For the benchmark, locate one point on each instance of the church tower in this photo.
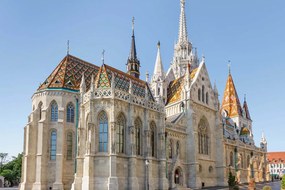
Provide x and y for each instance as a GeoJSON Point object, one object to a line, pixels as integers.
{"type": "Point", "coordinates": [183, 51]}
{"type": "Point", "coordinates": [133, 64]}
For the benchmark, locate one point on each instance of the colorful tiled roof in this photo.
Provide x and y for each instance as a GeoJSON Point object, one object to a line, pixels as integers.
{"type": "Point", "coordinates": [175, 87]}
{"type": "Point", "coordinates": [276, 157]}
{"type": "Point", "coordinates": [68, 74]}
{"type": "Point", "coordinates": [231, 101]}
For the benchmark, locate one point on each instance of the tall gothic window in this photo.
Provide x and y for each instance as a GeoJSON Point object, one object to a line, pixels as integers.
{"type": "Point", "coordinates": [53, 145]}
{"type": "Point", "coordinates": [120, 133]}
{"type": "Point", "coordinates": [138, 128]}
{"type": "Point", "coordinates": [69, 148]}
{"type": "Point", "coordinates": [203, 93]}
{"type": "Point", "coordinates": [241, 161]}
{"type": "Point", "coordinates": [103, 132]}
{"type": "Point", "coordinates": [231, 159]}
{"type": "Point", "coordinates": [152, 138]}
{"type": "Point", "coordinates": [170, 149]}
{"type": "Point", "coordinates": [207, 98]}
{"type": "Point", "coordinates": [203, 138]}
{"type": "Point", "coordinates": [54, 111]}
{"type": "Point", "coordinates": [177, 147]}
{"type": "Point", "coordinates": [199, 94]}
{"type": "Point", "coordinates": [70, 113]}
{"type": "Point", "coordinates": [40, 107]}
{"type": "Point", "coordinates": [248, 160]}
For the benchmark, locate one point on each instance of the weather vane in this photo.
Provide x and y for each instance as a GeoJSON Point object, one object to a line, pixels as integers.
{"type": "Point", "coordinates": [67, 47]}
{"type": "Point", "coordinates": [229, 66]}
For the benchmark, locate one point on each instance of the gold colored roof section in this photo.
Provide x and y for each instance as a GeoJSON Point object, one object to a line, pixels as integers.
{"type": "Point", "coordinates": [68, 74]}
{"type": "Point", "coordinates": [175, 87]}
{"type": "Point", "coordinates": [231, 102]}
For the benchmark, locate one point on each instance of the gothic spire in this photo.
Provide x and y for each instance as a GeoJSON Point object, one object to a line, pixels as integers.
{"type": "Point", "coordinates": [183, 36]}
{"type": "Point", "coordinates": [245, 107]}
{"type": "Point", "coordinates": [133, 65]}
{"type": "Point", "coordinates": [158, 67]}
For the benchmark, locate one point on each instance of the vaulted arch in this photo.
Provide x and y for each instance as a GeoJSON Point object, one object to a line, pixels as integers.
{"type": "Point", "coordinates": [203, 136]}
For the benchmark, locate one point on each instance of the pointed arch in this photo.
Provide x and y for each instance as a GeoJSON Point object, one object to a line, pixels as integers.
{"type": "Point", "coordinates": [120, 133]}
{"type": "Point", "coordinates": [138, 134]}
{"type": "Point", "coordinates": [103, 131]}
{"type": "Point", "coordinates": [70, 112]}
{"type": "Point", "coordinates": [199, 94]}
{"type": "Point", "coordinates": [203, 136]}
{"type": "Point", "coordinates": [178, 176]}
{"type": "Point", "coordinates": [170, 149]}
{"type": "Point", "coordinates": [54, 111]}
{"type": "Point", "coordinates": [40, 108]}
{"type": "Point", "coordinates": [152, 138]}
{"type": "Point", "coordinates": [231, 159]}
{"type": "Point", "coordinates": [203, 93]}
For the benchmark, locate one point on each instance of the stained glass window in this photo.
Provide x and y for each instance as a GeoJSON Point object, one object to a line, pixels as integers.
{"type": "Point", "coordinates": [69, 143]}
{"type": "Point", "coordinates": [138, 126]}
{"type": "Point", "coordinates": [103, 132]}
{"type": "Point", "coordinates": [70, 113]}
{"type": "Point", "coordinates": [152, 138]}
{"type": "Point", "coordinates": [53, 145]}
{"type": "Point", "coordinates": [120, 134]}
{"type": "Point", "coordinates": [54, 111]}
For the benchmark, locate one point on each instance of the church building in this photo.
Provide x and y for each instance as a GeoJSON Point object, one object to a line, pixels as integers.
{"type": "Point", "coordinates": [96, 127]}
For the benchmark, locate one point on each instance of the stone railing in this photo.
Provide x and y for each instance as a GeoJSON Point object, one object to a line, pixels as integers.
{"type": "Point", "coordinates": [121, 95]}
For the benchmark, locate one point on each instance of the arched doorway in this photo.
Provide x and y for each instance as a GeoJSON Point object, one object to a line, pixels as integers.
{"type": "Point", "coordinates": [178, 177]}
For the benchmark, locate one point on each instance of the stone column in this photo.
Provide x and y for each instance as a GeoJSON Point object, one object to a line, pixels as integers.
{"type": "Point", "coordinates": [41, 158]}
{"type": "Point", "coordinates": [113, 180]}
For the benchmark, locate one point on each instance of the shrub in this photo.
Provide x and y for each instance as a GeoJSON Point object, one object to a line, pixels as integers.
{"type": "Point", "coordinates": [283, 183]}
{"type": "Point", "coordinates": [232, 182]}
{"type": "Point", "coordinates": [266, 188]}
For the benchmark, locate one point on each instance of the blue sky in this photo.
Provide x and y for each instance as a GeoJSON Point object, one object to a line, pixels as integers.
{"type": "Point", "coordinates": [34, 34]}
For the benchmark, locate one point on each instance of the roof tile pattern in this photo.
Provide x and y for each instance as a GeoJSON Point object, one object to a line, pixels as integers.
{"type": "Point", "coordinates": [231, 101]}
{"type": "Point", "coordinates": [276, 157]}
{"type": "Point", "coordinates": [68, 74]}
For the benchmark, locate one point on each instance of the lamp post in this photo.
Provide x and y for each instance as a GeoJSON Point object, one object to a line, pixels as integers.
{"type": "Point", "coordinates": [147, 180]}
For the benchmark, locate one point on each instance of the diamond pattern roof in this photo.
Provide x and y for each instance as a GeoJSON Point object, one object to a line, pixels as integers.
{"type": "Point", "coordinates": [68, 74]}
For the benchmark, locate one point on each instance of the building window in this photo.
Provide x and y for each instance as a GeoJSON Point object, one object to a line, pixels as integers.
{"type": "Point", "coordinates": [241, 161]}
{"type": "Point", "coordinates": [54, 111]}
{"type": "Point", "coordinates": [203, 138]}
{"type": "Point", "coordinates": [207, 98]}
{"type": "Point", "coordinates": [70, 113]}
{"type": "Point", "coordinates": [203, 93]}
{"type": "Point", "coordinates": [152, 138]}
{"type": "Point", "coordinates": [138, 127]}
{"type": "Point", "coordinates": [199, 94]}
{"type": "Point", "coordinates": [40, 110]}
{"type": "Point", "coordinates": [248, 160]}
{"type": "Point", "coordinates": [177, 147]}
{"type": "Point", "coordinates": [69, 143]}
{"type": "Point", "coordinates": [53, 145]}
{"type": "Point", "coordinates": [231, 159]}
{"type": "Point", "coordinates": [103, 132]}
{"type": "Point", "coordinates": [170, 149]}
{"type": "Point", "coordinates": [120, 132]}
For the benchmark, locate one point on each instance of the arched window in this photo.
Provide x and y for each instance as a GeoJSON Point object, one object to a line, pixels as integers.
{"type": "Point", "coordinates": [138, 127]}
{"type": "Point", "coordinates": [178, 177]}
{"type": "Point", "coordinates": [231, 159]}
{"type": "Point", "coordinates": [177, 147]}
{"type": "Point", "coordinates": [120, 132]}
{"type": "Point", "coordinates": [152, 138]}
{"type": "Point", "coordinates": [54, 111]}
{"type": "Point", "coordinates": [203, 138]}
{"type": "Point", "coordinates": [199, 94]}
{"type": "Point", "coordinates": [207, 98]}
{"type": "Point", "coordinates": [70, 113]}
{"type": "Point", "coordinates": [241, 161]}
{"type": "Point", "coordinates": [170, 149]}
{"type": "Point", "coordinates": [69, 146]}
{"type": "Point", "coordinates": [103, 132]}
{"type": "Point", "coordinates": [40, 107]}
{"type": "Point", "coordinates": [203, 93]}
{"type": "Point", "coordinates": [53, 145]}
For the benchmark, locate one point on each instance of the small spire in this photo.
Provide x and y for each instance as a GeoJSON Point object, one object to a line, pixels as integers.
{"type": "Point", "coordinates": [67, 47]}
{"type": "Point", "coordinates": [183, 36]}
{"type": "Point", "coordinates": [158, 67]}
{"type": "Point", "coordinates": [82, 84]}
{"type": "Point", "coordinates": [133, 25]}
{"type": "Point", "coordinates": [244, 97]}
{"type": "Point", "coordinates": [229, 66]}
{"type": "Point", "coordinates": [103, 56]}
{"type": "Point", "coordinates": [147, 76]}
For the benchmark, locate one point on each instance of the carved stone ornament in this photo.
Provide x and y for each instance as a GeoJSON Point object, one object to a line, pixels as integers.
{"type": "Point", "coordinates": [131, 129]}
{"type": "Point", "coordinates": [113, 126]}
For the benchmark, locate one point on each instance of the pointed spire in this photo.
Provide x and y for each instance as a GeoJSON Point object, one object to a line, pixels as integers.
{"type": "Point", "coordinates": [67, 47]}
{"type": "Point", "coordinates": [263, 139]}
{"type": "Point", "coordinates": [158, 67]}
{"type": "Point", "coordinates": [231, 101]}
{"type": "Point", "coordinates": [82, 84]}
{"type": "Point", "coordinates": [183, 36]}
{"type": "Point", "coordinates": [133, 64]}
{"type": "Point", "coordinates": [245, 107]}
{"type": "Point", "coordinates": [229, 66]}
{"type": "Point", "coordinates": [133, 52]}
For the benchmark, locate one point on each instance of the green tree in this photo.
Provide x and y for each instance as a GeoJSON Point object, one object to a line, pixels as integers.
{"type": "Point", "coordinates": [283, 182]}
{"type": "Point", "coordinates": [12, 170]}
{"type": "Point", "coordinates": [3, 157]}
{"type": "Point", "coordinates": [232, 182]}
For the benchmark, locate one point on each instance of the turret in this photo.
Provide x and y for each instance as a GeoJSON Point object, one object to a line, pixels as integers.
{"type": "Point", "coordinates": [158, 84]}
{"type": "Point", "coordinates": [133, 64]}
{"type": "Point", "coordinates": [263, 142]}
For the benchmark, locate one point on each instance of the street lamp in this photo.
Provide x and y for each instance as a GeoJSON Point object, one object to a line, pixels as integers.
{"type": "Point", "coordinates": [146, 165]}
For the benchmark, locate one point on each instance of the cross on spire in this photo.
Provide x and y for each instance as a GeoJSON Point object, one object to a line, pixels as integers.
{"type": "Point", "coordinates": [67, 47]}
{"type": "Point", "coordinates": [229, 66]}
{"type": "Point", "coordinates": [103, 56]}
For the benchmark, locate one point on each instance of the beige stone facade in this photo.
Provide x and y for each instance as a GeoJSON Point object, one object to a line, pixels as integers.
{"type": "Point", "coordinates": [97, 127]}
